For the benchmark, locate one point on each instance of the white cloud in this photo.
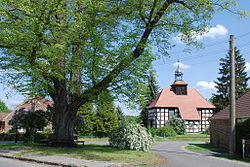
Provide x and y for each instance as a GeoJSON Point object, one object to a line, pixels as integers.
{"type": "Point", "coordinates": [213, 33]}
{"type": "Point", "coordinates": [247, 66]}
{"type": "Point", "coordinates": [204, 85]}
{"type": "Point", "coordinates": [183, 66]}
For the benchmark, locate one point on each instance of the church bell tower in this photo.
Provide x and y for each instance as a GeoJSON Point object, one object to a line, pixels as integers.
{"type": "Point", "coordinates": [179, 87]}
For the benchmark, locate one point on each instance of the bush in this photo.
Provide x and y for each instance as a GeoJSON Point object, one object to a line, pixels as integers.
{"type": "Point", "coordinates": [178, 124]}
{"type": "Point", "coordinates": [242, 132]}
{"type": "Point", "coordinates": [31, 121]}
{"type": "Point", "coordinates": [165, 131]}
{"type": "Point", "coordinates": [152, 131]}
{"type": "Point", "coordinates": [132, 137]}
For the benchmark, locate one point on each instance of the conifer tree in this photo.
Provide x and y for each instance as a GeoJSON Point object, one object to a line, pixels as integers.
{"type": "Point", "coordinates": [221, 98]}
{"type": "Point", "coordinates": [153, 91]}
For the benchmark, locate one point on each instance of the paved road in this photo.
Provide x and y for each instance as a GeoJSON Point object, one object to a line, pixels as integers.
{"type": "Point", "coordinates": [177, 156]}
{"type": "Point", "coordinates": [5, 162]}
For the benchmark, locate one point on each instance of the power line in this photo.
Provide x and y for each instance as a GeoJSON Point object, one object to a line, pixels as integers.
{"type": "Point", "coordinates": [224, 41]}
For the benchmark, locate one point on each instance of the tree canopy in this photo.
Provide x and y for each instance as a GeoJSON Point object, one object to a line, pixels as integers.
{"type": "Point", "coordinates": [72, 50]}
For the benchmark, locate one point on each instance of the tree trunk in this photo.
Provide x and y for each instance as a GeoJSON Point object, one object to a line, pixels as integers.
{"type": "Point", "coordinates": [64, 121]}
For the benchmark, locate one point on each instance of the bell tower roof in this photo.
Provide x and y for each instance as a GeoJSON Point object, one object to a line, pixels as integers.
{"type": "Point", "coordinates": [178, 73]}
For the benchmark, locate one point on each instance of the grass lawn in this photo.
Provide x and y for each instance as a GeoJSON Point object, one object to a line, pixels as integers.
{"type": "Point", "coordinates": [221, 151]}
{"type": "Point", "coordinates": [186, 137]}
{"type": "Point", "coordinates": [93, 139]}
{"type": "Point", "coordinates": [205, 147]}
{"type": "Point", "coordinates": [92, 152]}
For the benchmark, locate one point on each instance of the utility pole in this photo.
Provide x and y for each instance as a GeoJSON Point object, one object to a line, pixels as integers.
{"type": "Point", "coordinates": [232, 114]}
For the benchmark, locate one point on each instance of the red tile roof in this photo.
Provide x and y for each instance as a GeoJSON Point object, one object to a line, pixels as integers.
{"type": "Point", "coordinates": [180, 83]}
{"type": "Point", "coordinates": [187, 104]}
{"type": "Point", "coordinates": [242, 109]}
{"type": "Point", "coordinates": [3, 115]}
{"type": "Point", "coordinates": [40, 104]}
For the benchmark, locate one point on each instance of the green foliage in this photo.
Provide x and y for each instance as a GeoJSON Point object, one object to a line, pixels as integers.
{"type": "Point", "coordinates": [98, 118]}
{"type": "Point", "coordinates": [242, 132]}
{"type": "Point", "coordinates": [150, 95]}
{"type": "Point", "coordinates": [120, 114]}
{"type": "Point", "coordinates": [153, 131]}
{"type": "Point", "coordinates": [221, 98]}
{"type": "Point", "coordinates": [178, 125]}
{"type": "Point", "coordinates": [132, 119]}
{"type": "Point", "coordinates": [3, 107]}
{"type": "Point", "coordinates": [143, 117]}
{"type": "Point", "coordinates": [31, 121]}
{"type": "Point", "coordinates": [74, 50]}
{"type": "Point", "coordinates": [165, 131]}
{"type": "Point", "coordinates": [132, 137]}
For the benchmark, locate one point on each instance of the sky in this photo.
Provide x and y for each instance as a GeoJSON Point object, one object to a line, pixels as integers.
{"type": "Point", "coordinates": [200, 67]}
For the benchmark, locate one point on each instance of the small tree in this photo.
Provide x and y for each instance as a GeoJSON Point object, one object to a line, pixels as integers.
{"type": "Point", "coordinates": [3, 107]}
{"type": "Point", "coordinates": [120, 114]}
{"type": "Point", "coordinates": [30, 121]}
{"type": "Point", "coordinates": [178, 125]}
{"type": "Point", "coordinates": [98, 118]}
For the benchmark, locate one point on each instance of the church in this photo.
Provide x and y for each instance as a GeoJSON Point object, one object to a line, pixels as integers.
{"type": "Point", "coordinates": [181, 102]}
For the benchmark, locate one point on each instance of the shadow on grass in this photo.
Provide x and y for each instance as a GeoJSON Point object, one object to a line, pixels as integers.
{"type": "Point", "coordinates": [216, 152]}
{"type": "Point", "coordinates": [90, 152]}
{"type": "Point", "coordinates": [207, 147]}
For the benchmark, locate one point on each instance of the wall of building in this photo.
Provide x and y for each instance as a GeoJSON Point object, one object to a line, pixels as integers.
{"type": "Point", "coordinates": [6, 120]}
{"type": "Point", "coordinates": [159, 117]}
{"type": "Point", "coordinates": [219, 130]}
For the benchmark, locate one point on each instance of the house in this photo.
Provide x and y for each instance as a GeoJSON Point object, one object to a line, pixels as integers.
{"type": "Point", "coordinates": [219, 127]}
{"type": "Point", "coordinates": [180, 101]}
{"type": "Point", "coordinates": [30, 104]}
{"type": "Point", "coordinates": [33, 104]}
{"type": "Point", "coordinates": [4, 122]}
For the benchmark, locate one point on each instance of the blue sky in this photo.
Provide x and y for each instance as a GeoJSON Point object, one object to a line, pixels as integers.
{"type": "Point", "coordinates": [200, 67]}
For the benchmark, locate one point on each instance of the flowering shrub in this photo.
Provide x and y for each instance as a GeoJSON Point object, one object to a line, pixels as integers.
{"type": "Point", "coordinates": [132, 137]}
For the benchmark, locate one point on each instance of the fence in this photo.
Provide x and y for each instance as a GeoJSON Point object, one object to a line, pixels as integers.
{"type": "Point", "coordinates": [246, 148]}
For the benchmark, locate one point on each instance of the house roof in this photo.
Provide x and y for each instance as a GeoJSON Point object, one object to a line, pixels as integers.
{"type": "Point", "coordinates": [242, 109]}
{"type": "Point", "coordinates": [180, 83]}
{"type": "Point", "coordinates": [3, 115]}
{"type": "Point", "coordinates": [187, 104]}
{"type": "Point", "coordinates": [39, 104]}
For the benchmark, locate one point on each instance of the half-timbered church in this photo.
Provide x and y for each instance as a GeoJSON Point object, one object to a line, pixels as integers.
{"type": "Point", "coordinates": [182, 102]}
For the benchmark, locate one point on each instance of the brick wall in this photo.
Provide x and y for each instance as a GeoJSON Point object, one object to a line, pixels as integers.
{"type": "Point", "coordinates": [219, 130]}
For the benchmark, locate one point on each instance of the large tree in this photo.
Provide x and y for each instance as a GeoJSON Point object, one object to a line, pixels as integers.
{"type": "Point", "coordinates": [221, 98]}
{"type": "Point", "coordinates": [72, 50]}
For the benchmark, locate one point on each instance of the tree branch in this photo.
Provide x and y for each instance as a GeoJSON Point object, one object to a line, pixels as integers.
{"type": "Point", "coordinates": [91, 93]}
